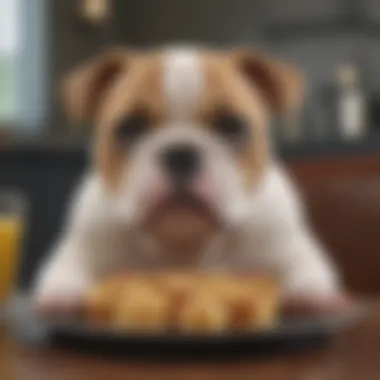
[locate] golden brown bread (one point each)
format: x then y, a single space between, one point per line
141 307
185 302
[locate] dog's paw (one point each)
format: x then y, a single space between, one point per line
308 305
59 298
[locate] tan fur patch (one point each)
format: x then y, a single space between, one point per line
226 87
138 88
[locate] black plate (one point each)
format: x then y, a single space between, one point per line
285 337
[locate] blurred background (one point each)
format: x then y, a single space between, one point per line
333 148
333 41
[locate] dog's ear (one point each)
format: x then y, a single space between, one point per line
84 88
282 85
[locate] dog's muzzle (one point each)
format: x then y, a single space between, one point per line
181 162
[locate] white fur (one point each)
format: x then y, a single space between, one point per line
183 81
274 238
266 226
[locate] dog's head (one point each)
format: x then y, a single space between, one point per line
182 136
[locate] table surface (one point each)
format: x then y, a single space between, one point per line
354 354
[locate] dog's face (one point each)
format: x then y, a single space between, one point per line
181 135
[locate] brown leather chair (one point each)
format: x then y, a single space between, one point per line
343 195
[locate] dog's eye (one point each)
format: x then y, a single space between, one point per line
132 127
231 127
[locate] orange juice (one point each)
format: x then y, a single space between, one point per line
10 239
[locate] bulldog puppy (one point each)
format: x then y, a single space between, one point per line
184 174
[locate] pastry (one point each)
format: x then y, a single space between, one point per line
188 302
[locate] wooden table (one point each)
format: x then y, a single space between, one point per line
355 354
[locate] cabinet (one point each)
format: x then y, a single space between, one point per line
371 10
279 12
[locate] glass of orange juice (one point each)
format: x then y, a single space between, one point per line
12 221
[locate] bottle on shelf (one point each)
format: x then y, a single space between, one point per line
351 105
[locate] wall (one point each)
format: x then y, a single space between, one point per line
317 35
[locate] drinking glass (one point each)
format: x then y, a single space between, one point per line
12 222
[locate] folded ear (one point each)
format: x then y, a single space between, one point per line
281 85
84 88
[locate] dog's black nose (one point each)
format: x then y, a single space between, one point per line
181 162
